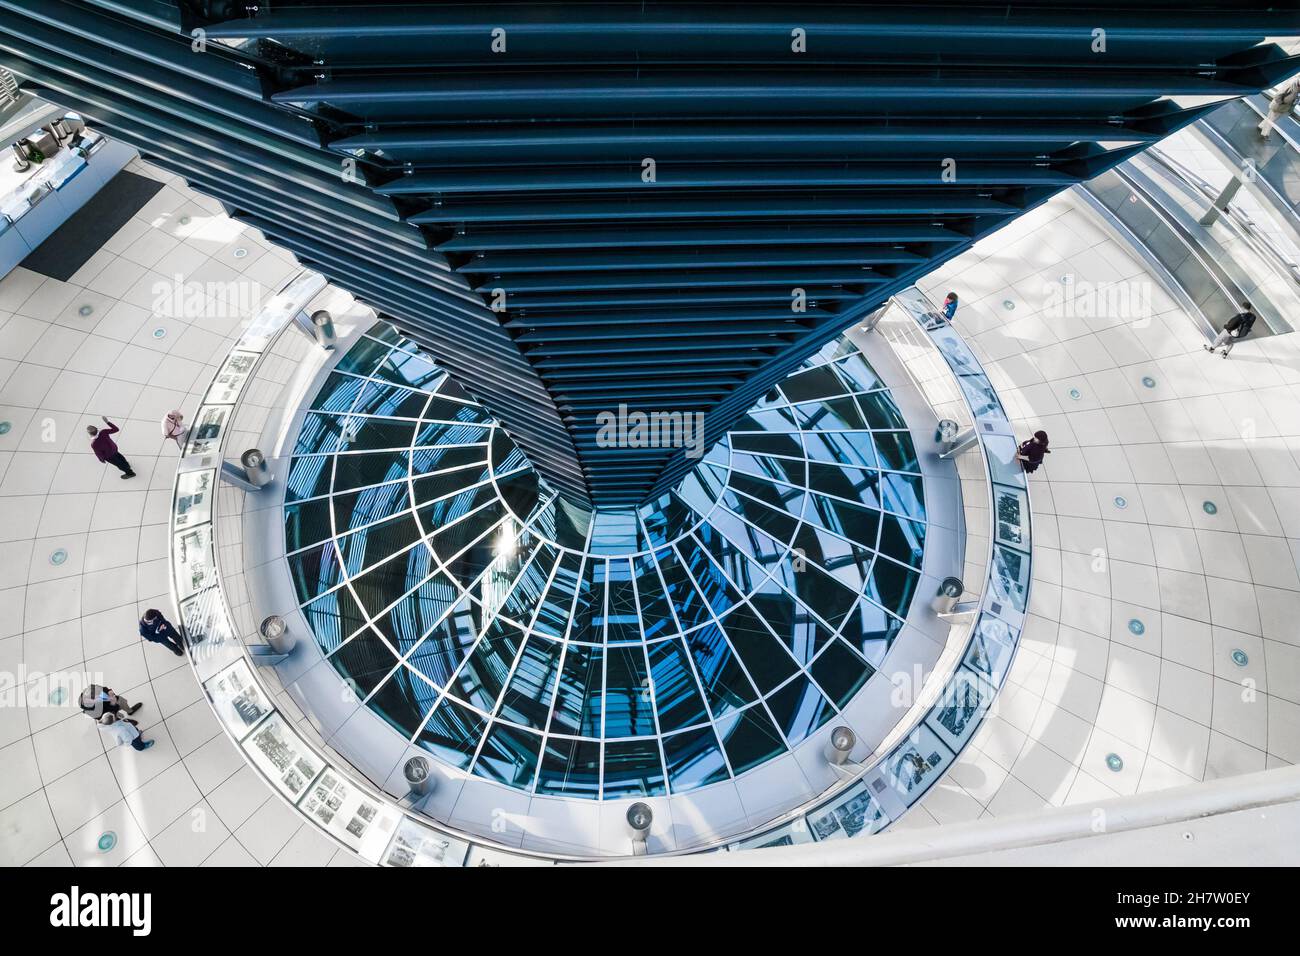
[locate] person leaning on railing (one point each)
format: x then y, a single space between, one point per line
1031 452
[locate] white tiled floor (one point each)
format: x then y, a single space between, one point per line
190 799
1170 702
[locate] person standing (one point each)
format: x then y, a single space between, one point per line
158 630
950 306
123 731
1031 452
173 427
1283 104
96 701
105 448
1234 330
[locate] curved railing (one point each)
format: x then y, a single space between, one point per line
949 712
206 572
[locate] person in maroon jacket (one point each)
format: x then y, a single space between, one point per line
1031 451
105 448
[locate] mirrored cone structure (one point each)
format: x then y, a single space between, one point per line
577 208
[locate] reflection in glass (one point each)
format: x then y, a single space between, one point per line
521 637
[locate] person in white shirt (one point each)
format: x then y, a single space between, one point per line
1283 104
123 731
173 427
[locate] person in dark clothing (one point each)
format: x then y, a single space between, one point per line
105 448
157 629
96 701
1234 330
1031 451
950 306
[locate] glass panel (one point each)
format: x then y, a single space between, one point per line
880 411
402 701
308 478
857 373
570 768
371 434
452 733
556 606
627 693
726 687
833 414
799 709
484 675
362 358
694 759
314 571
307 523
579 695
379 399
750 738
447 644
892 585
415 615
364 661
509 756
633 769
764 658
896 451
677 693
338 393
847 520
840 672
333 618
356 471
406 369
656 617
820 382
854 449
527 698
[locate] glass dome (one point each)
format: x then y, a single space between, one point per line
525 639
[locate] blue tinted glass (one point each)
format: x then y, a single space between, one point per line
613 653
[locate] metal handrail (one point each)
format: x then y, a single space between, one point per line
1236 216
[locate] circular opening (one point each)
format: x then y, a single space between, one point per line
159 333
107 840
1076 394
1148 381
58 556
58 696
85 310
1114 763
1210 507
614 591
1137 627
241 252
1239 657
1121 501
4 428
185 220
1008 305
